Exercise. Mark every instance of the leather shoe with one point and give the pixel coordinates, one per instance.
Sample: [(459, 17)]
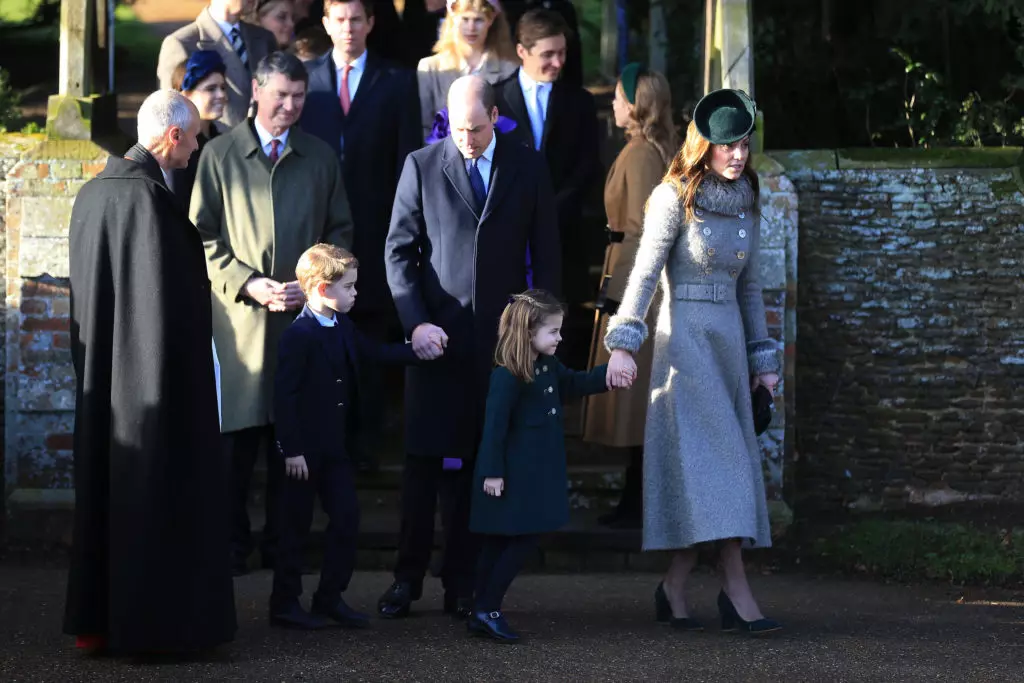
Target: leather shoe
[(342, 613), (460, 608), (491, 624), (295, 617), (395, 602)]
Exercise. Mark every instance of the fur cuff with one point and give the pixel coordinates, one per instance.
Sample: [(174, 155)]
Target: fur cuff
[(762, 357), (627, 334)]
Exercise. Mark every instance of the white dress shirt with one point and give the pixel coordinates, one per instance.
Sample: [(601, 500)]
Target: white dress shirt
[(227, 28), (354, 76), (536, 96), (266, 138), (483, 164), (323, 320)]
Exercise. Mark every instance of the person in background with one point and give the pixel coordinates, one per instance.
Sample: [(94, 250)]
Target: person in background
[(386, 40), (201, 80), (521, 485), (464, 206), (572, 72), (421, 28), (241, 46), (474, 41), (558, 120), (643, 108), (264, 193), (278, 17), (149, 568), (703, 479)]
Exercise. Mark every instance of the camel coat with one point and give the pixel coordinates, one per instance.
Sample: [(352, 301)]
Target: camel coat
[(256, 219), (617, 418), (434, 81)]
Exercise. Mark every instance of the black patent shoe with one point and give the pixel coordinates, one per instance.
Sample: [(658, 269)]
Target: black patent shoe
[(493, 625), (663, 613), (342, 614), (459, 608), (396, 601), (293, 616), (733, 622)]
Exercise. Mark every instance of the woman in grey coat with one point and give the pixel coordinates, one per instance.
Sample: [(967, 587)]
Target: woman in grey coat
[(702, 462)]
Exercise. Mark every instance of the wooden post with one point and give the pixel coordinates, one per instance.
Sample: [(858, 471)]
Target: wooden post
[(729, 54), (76, 32), (657, 37), (609, 40)]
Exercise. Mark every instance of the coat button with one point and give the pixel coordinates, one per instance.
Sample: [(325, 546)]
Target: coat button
[(537, 371), (698, 212), (707, 232), (743, 233), (341, 405), (339, 381), (741, 255), (742, 215), (554, 411), (711, 251), (733, 273), (544, 368), (551, 390)]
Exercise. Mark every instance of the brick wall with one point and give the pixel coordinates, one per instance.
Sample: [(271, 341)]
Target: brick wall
[(40, 388), (910, 361)]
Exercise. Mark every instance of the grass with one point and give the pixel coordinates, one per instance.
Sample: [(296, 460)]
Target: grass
[(140, 45)]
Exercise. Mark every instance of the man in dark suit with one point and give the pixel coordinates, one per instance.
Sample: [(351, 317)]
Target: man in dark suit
[(465, 207), (572, 72), (560, 121), (385, 41)]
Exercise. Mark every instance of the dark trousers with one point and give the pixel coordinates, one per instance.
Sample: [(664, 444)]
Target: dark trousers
[(333, 481), (423, 482), (243, 448), (501, 560)]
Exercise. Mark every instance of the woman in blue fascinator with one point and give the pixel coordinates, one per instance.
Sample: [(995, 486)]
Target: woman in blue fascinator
[(201, 80)]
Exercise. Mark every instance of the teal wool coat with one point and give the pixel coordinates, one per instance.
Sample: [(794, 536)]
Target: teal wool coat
[(524, 444)]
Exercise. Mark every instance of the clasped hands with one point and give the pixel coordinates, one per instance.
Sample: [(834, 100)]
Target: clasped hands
[(275, 296), (429, 341), (621, 370)]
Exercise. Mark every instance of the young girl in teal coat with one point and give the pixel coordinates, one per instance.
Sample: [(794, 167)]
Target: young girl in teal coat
[(520, 483)]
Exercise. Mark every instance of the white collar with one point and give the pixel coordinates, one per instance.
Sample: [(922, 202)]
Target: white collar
[(265, 136), (323, 320), (529, 84), (489, 152), (225, 26), (358, 64)]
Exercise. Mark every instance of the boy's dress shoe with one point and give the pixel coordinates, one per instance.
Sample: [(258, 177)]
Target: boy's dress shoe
[(460, 608), (396, 601), (491, 624), (295, 617), (342, 613)]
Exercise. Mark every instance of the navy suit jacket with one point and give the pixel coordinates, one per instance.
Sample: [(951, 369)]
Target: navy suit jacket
[(454, 264), (381, 128), (310, 386)]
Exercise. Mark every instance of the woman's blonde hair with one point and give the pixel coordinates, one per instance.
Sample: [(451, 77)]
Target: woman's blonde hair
[(499, 36), (692, 164), (651, 117), (323, 263), (523, 315)]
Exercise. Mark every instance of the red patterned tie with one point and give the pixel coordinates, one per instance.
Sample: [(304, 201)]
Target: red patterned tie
[(344, 96), (275, 151)]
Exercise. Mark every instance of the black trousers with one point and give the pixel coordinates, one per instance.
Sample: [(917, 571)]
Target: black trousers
[(423, 482), (333, 481), (501, 560), (243, 448)]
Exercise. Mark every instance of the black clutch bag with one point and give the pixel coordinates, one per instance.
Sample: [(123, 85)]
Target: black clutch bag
[(761, 401)]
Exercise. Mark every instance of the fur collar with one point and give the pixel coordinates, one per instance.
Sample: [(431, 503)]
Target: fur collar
[(728, 197)]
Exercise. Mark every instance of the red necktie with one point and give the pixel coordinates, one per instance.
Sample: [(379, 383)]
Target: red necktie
[(275, 151), (344, 96)]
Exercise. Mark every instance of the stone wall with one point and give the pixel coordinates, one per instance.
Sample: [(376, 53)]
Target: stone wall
[(911, 325)]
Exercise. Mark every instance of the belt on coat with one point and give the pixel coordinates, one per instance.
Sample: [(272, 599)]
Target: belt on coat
[(715, 293)]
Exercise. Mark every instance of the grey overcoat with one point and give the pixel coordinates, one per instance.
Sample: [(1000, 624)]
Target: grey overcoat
[(702, 462)]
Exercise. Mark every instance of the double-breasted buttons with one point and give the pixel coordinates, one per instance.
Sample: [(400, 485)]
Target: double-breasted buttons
[(743, 233), (537, 371), (341, 405), (554, 411), (544, 368), (707, 232), (338, 381), (741, 255), (698, 212), (711, 251), (742, 215), (549, 390)]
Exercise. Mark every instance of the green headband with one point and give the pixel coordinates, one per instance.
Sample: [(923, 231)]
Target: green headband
[(631, 73)]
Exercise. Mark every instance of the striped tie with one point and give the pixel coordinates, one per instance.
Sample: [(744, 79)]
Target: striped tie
[(239, 46)]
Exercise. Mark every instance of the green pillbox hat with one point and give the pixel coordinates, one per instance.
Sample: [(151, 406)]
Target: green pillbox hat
[(631, 73), (724, 116)]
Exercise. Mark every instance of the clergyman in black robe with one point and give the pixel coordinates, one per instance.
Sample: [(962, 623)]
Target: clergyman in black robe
[(150, 566)]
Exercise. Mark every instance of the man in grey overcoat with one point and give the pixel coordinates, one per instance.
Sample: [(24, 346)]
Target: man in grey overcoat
[(264, 193)]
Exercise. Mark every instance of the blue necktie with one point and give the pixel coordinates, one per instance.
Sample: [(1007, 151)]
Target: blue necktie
[(476, 181)]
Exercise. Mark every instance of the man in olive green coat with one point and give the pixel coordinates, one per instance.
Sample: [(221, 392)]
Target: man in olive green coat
[(264, 193)]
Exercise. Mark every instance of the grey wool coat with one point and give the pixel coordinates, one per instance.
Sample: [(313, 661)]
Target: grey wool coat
[(702, 463)]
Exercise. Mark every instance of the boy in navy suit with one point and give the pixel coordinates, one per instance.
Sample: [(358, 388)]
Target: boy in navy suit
[(316, 401)]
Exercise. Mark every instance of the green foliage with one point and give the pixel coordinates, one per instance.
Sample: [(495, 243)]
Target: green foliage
[(9, 100), (913, 550)]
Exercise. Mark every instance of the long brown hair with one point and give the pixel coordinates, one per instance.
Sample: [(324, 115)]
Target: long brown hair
[(524, 314), (651, 116), (499, 35), (692, 164)]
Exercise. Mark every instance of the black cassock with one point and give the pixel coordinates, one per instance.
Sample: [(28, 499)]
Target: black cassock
[(150, 567)]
